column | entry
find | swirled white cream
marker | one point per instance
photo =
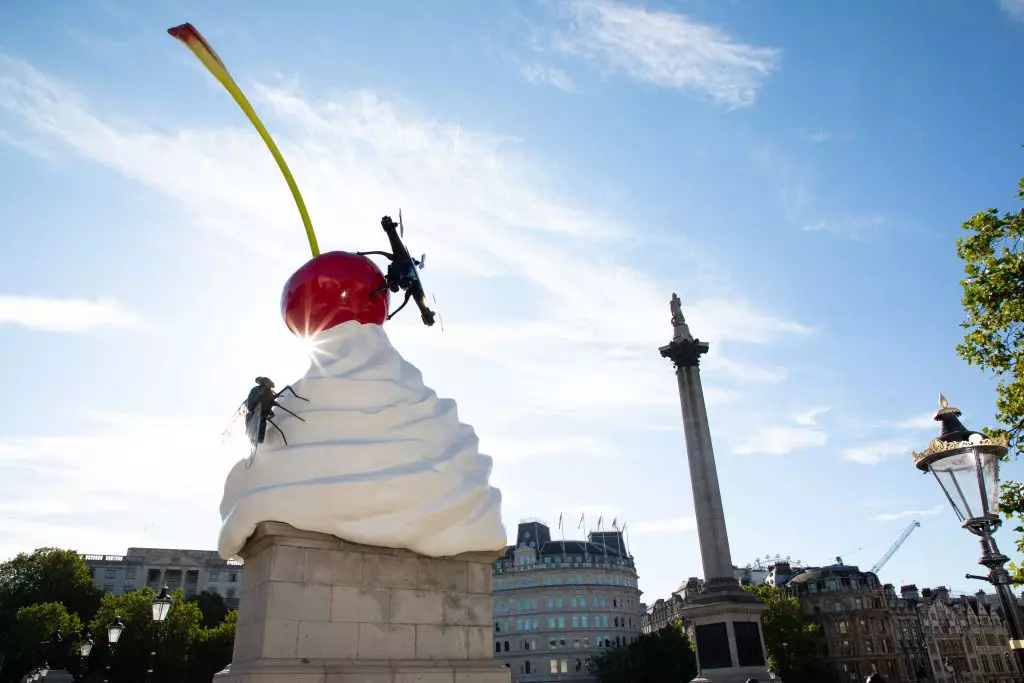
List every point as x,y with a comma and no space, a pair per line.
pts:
380,459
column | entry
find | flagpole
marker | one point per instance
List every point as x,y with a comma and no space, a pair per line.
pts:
562,528
626,534
618,536
583,525
604,541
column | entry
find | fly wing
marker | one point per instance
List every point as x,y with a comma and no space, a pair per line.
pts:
253,420
237,438
237,419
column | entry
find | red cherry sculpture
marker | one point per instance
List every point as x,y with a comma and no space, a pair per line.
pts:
333,288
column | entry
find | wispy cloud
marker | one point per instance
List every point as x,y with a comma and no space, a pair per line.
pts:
800,202
63,315
780,440
1015,8
874,453
668,49
542,74
672,525
816,136
922,422
809,417
890,516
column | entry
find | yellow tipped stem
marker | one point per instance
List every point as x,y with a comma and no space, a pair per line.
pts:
195,42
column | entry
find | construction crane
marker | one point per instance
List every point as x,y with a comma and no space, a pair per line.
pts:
895,546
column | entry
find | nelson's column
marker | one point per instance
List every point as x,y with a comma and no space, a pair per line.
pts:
724,621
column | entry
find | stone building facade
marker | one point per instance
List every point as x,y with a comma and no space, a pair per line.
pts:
857,635
966,636
558,604
194,571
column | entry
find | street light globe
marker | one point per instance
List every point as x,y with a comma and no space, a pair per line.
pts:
966,465
161,606
114,630
85,647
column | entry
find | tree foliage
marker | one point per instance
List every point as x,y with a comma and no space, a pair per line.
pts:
665,655
788,637
213,607
36,582
50,589
993,301
131,656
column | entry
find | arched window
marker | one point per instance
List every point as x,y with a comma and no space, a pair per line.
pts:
497,646
526,667
579,664
506,646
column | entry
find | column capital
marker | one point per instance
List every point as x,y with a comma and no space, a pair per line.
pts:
684,353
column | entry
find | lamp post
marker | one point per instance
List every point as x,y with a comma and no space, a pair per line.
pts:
966,466
161,606
85,649
114,631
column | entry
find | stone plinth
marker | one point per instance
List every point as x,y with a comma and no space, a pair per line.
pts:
316,609
728,638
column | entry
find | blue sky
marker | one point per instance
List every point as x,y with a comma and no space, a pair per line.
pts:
797,172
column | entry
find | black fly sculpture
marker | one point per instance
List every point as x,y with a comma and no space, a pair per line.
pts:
402,273
257,410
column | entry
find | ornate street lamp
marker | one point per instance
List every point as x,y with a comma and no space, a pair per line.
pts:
85,646
966,465
114,631
161,607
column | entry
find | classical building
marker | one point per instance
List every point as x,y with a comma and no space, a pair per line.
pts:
966,636
911,648
557,604
194,571
856,635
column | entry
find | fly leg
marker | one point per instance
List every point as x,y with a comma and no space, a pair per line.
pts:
278,405
274,424
289,388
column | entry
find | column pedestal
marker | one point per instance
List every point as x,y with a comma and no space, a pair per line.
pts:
728,638
316,609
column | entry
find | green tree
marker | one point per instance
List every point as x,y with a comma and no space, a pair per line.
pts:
47,575
665,655
788,638
213,607
993,301
212,648
131,657
34,626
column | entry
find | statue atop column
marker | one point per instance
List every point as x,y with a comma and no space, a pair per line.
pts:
679,326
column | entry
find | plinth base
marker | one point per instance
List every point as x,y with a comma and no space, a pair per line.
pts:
316,609
726,629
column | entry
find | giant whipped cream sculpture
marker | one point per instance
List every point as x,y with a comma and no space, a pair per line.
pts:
358,447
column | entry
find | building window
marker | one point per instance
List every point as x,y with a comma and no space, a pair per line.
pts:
575,621
584,620
129,572
214,575
554,666
497,646
561,622
551,622
843,626
231,594
110,573
564,665
505,645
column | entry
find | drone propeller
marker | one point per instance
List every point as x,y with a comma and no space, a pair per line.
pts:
423,261
438,311
401,226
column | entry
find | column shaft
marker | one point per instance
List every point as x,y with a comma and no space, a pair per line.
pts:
707,497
